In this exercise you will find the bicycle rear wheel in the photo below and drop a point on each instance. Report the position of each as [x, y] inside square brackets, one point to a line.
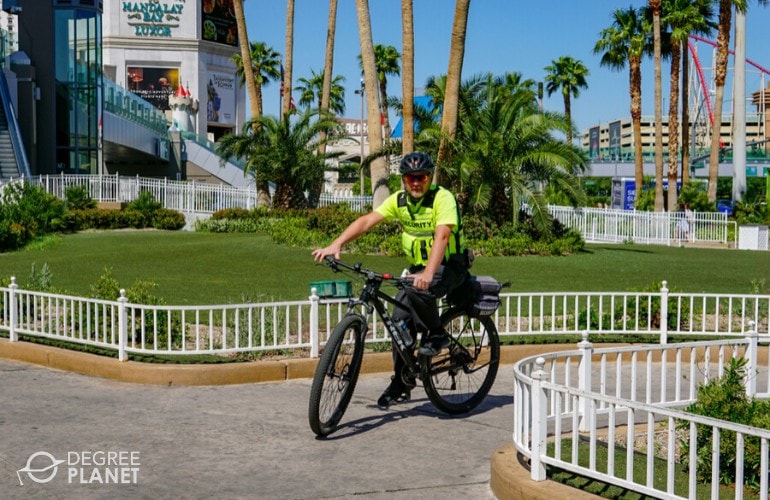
[336, 375]
[457, 380]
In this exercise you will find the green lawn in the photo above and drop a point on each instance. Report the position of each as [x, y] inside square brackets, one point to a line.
[201, 268]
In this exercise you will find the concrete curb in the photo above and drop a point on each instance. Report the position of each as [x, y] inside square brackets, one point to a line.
[510, 480]
[211, 374]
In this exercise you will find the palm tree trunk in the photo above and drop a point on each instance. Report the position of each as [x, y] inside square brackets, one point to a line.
[288, 57]
[384, 111]
[567, 113]
[635, 89]
[685, 114]
[379, 169]
[329, 61]
[325, 97]
[407, 77]
[263, 192]
[450, 109]
[673, 127]
[723, 41]
[655, 6]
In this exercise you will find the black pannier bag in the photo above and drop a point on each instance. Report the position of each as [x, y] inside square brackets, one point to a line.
[486, 295]
[480, 295]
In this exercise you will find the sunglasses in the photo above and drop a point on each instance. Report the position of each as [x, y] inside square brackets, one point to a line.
[416, 177]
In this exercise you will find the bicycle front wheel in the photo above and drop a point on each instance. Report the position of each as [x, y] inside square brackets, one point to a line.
[458, 380]
[336, 375]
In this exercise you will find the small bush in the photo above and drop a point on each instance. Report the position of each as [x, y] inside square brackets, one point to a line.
[725, 398]
[168, 219]
[232, 213]
[146, 204]
[78, 198]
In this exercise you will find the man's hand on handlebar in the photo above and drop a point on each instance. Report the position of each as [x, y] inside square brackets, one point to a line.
[422, 280]
[320, 253]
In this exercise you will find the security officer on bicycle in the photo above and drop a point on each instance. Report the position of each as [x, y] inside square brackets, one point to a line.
[433, 242]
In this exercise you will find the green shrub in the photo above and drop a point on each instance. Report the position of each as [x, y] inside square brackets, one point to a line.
[695, 195]
[232, 213]
[27, 211]
[168, 219]
[318, 227]
[751, 213]
[145, 203]
[107, 287]
[78, 198]
[725, 398]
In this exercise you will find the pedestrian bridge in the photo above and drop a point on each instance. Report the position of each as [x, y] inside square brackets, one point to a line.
[135, 131]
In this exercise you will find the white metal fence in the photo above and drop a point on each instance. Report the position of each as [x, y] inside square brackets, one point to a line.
[627, 402]
[597, 225]
[184, 196]
[306, 324]
[569, 396]
[607, 225]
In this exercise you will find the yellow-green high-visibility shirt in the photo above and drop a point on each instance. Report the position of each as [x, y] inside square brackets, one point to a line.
[419, 221]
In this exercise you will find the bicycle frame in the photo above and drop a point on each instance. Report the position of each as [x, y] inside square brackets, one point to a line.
[372, 298]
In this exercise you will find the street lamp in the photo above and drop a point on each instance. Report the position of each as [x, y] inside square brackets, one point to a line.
[362, 91]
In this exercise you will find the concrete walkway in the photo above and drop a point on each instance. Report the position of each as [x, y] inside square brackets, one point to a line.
[240, 440]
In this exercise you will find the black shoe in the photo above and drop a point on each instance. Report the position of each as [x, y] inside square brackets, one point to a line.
[434, 344]
[395, 393]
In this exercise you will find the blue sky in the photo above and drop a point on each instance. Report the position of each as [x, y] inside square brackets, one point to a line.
[503, 36]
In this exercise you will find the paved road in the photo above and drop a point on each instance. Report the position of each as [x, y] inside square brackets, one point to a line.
[238, 441]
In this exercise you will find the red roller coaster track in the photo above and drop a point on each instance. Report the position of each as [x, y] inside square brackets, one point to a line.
[699, 69]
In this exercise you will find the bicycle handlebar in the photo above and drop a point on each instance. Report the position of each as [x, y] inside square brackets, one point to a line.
[370, 275]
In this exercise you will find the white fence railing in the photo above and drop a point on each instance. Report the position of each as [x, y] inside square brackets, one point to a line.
[184, 196]
[627, 403]
[597, 225]
[607, 225]
[306, 324]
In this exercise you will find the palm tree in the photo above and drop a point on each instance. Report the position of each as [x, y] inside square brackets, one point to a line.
[263, 193]
[379, 169]
[681, 17]
[386, 59]
[284, 151]
[567, 75]
[507, 149]
[311, 92]
[265, 64]
[450, 107]
[326, 88]
[288, 63]
[626, 42]
[655, 8]
[702, 24]
[720, 75]
[407, 77]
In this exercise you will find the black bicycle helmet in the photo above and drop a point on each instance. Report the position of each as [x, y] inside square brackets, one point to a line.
[416, 162]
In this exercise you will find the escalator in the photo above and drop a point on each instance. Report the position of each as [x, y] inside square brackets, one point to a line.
[13, 159]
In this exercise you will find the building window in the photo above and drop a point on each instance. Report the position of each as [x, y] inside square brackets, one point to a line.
[78, 70]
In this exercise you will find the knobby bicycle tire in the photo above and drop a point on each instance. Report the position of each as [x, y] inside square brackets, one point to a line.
[336, 375]
[458, 379]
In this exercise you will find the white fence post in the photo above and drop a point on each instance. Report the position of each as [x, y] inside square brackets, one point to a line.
[12, 334]
[664, 313]
[314, 312]
[122, 326]
[539, 421]
[752, 364]
[586, 349]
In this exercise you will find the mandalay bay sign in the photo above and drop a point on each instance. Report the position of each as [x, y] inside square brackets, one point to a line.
[153, 18]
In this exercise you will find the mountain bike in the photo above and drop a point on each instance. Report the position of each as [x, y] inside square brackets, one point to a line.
[456, 380]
